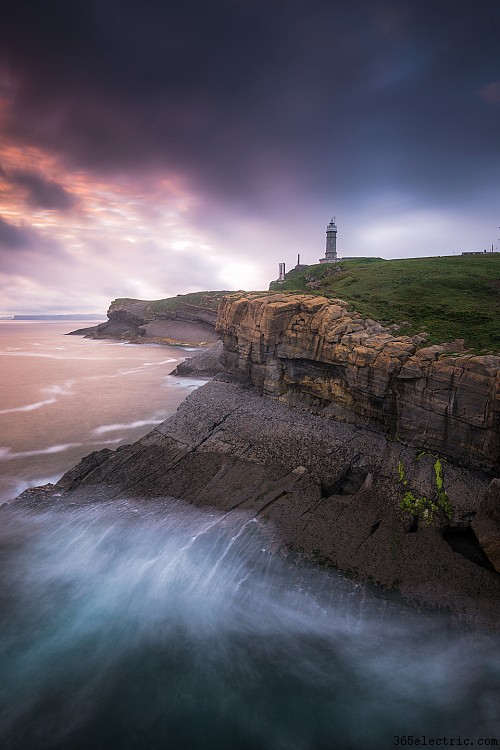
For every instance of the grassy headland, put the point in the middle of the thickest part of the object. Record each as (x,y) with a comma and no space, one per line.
(209,300)
(202,299)
(451,297)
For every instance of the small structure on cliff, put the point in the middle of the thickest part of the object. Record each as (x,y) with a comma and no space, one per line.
(300,266)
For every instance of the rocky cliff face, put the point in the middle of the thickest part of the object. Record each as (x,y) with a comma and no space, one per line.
(311,351)
(367,490)
(135,320)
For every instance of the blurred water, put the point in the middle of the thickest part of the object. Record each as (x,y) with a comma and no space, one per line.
(155,625)
(62,397)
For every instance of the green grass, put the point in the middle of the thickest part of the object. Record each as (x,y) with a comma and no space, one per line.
(453,297)
(209,300)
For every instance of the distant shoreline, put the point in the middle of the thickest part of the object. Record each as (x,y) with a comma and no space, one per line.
(76,316)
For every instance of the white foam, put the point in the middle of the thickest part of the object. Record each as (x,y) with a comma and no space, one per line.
(130,426)
(47,355)
(142,367)
(29,407)
(6,454)
(51,390)
(60,390)
(172,381)
(33,482)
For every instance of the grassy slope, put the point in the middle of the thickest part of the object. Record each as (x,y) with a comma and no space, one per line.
(449,297)
(203,299)
(209,300)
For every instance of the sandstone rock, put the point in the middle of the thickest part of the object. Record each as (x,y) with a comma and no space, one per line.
(298,346)
(134,320)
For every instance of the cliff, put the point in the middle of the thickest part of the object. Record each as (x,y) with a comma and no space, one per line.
(313,352)
(365,450)
(449,297)
(176,321)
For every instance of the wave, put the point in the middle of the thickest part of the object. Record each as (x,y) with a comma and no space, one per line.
(125,426)
(145,365)
(6,453)
(18,486)
(52,390)
(47,355)
(150,624)
(29,407)
(66,389)
(184,382)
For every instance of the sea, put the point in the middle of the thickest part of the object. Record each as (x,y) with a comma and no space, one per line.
(62,397)
(153,625)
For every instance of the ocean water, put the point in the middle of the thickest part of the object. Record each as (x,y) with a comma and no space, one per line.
(152,625)
(62,397)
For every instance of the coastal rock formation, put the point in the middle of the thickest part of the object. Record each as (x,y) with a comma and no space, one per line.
(369,453)
(313,352)
(204,364)
(331,490)
(137,320)
(486,524)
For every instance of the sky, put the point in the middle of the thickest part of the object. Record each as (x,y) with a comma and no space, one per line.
(154,148)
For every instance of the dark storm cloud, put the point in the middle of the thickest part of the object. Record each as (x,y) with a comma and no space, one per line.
(24,252)
(40,192)
(12,237)
(232,93)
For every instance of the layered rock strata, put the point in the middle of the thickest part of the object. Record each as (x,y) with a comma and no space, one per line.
(393,485)
(313,352)
(134,320)
(205,364)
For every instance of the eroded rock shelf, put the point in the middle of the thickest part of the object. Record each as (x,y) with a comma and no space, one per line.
(363,449)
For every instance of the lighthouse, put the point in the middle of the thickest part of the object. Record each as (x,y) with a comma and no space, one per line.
(331,243)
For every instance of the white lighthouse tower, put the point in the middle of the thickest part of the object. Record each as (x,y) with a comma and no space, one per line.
(331,243)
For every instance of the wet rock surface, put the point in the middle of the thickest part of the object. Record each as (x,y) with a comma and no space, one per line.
(332,491)
(204,364)
(486,524)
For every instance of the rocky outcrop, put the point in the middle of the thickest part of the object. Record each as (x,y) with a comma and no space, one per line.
(384,470)
(313,352)
(137,321)
(330,490)
(204,364)
(486,523)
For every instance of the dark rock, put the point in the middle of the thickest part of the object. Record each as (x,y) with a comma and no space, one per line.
(486,524)
(205,364)
(465,542)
